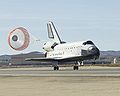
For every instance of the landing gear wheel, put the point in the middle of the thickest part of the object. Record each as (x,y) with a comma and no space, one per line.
(93,63)
(56,68)
(75,67)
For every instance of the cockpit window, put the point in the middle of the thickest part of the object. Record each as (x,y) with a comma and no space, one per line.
(88,42)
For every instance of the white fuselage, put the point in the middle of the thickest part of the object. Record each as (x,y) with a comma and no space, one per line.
(68,50)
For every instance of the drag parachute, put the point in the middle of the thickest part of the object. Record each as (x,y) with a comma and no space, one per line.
(19,39)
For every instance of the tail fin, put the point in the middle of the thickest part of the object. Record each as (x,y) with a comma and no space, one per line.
(52,33)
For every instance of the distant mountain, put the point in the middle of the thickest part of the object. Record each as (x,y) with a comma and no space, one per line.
(26,54)
(35,52)
(5,57)
(110,53)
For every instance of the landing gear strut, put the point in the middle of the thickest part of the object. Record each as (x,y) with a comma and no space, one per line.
(56,68)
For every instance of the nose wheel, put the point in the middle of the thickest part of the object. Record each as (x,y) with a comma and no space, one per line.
(56,68)
(77,64)
(76,67)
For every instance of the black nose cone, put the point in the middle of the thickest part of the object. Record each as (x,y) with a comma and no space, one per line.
(92,52)
(96,53)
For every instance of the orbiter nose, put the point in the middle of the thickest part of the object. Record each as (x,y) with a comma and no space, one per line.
(95,51)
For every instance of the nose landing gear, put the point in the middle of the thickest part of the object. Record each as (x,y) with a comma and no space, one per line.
(56,68)
(77,64)
(76,67)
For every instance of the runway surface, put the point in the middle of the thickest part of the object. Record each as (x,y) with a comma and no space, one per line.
(86,71)
(87,81)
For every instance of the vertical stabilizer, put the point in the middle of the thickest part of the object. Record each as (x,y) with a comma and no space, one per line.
(52,32)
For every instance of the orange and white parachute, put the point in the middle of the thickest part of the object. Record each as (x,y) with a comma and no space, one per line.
(19,39)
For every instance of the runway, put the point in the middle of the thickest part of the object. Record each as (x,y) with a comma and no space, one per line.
(85,71)
(44,81)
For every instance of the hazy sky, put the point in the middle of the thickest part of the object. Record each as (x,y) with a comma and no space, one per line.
(96,20)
